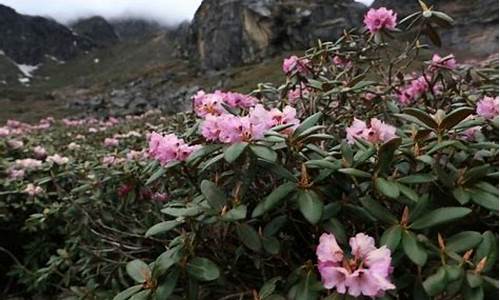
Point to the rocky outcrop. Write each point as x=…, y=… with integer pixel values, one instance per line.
x=28, y=39
x=475, y=32
x=234, y=32
x=97, y=29
x=137, y=97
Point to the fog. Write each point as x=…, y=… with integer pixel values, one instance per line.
x=167, y=12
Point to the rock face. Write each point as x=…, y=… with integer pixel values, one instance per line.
x=234, y=32
x=97, y=29
x=27, y=39
x=475, y=32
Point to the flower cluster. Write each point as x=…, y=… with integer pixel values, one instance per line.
x=488, y=107
x=448, y=62
x=366, y=272
x=378, y=19
x=33, y=190
x=298, y=92
x=230, y=129
x=57, y=159
x=168, y=148
x=213, y=103
x=376, y=132
x=296, y=64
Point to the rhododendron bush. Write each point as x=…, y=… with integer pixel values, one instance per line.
x=372, y=172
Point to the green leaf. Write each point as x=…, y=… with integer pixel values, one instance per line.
x=455, y=117
x=138, y=270
x=182, y=212
x=463, y=241
x=413, y=249
x=275, y=225
x=355, y=172
x=484, y=199
x=307, y=123
x=203, y=269
x=166, y=288
x=271, y=245
x=334, y=226
x=391, y=237
x=487, y=248
x=440, y=216
x=213, y=194
x=417, y=179
x=234, y=151
x=144, y=295
x=264, y=152
x=162, y=227
x=408, y=192
x=126, y=294
x=274, y=199
x=268, y=287
x=436, y=283
x=474, y=280
x=422, y=117
x=249, y=237
x=156, y=175
x=323, y=163
x=386, y=154
x=378, y=210
x=387, y=188
x=236, y=213
x=306, y=290
x=310, y=205
x=462, y=196
x=162, y=264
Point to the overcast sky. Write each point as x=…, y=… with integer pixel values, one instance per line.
x=164, y=11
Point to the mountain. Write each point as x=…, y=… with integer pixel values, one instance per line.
x=232, y=33
x=475, y=32
x=28, y=39
x=96, y=29
x=133, y=28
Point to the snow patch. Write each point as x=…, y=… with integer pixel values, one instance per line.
x=2, y=52
x=27, y=70
x=96, y=60
x=24, y=80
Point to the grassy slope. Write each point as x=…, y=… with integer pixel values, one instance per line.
x=117, y=66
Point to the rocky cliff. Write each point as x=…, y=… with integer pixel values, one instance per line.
x=28, y=39
x=475, y=32
x=234, y=32
x=97, y=29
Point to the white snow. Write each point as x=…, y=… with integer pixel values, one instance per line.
x=24, y=80
x=96, y=60
x=27, y=70
x=2, y=52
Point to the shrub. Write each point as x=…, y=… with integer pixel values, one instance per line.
x=356, y=177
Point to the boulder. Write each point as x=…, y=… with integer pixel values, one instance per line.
x=231, y=33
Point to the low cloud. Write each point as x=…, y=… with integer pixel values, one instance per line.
x=164, y=11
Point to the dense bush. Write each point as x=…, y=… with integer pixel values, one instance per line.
x=367, y=173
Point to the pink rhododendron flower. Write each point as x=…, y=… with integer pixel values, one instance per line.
x=169, y=148
x=57, y=159
x=300, y=91
x=208, y=104
x=28, y=164
x=33, y=190
x=470, y=133
x=414, y=90
x=238, y=100
x=376, y=132
x=15, y=144
x=111, y=142
x=365, y=272
x=439, y=62
x=294, y=63
x=4, y=131
x=488, y=107
x=15, y=174
x=381, y=18
x=160, y=197
x=39, y=152
x=73, y=146
x=342, y=62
